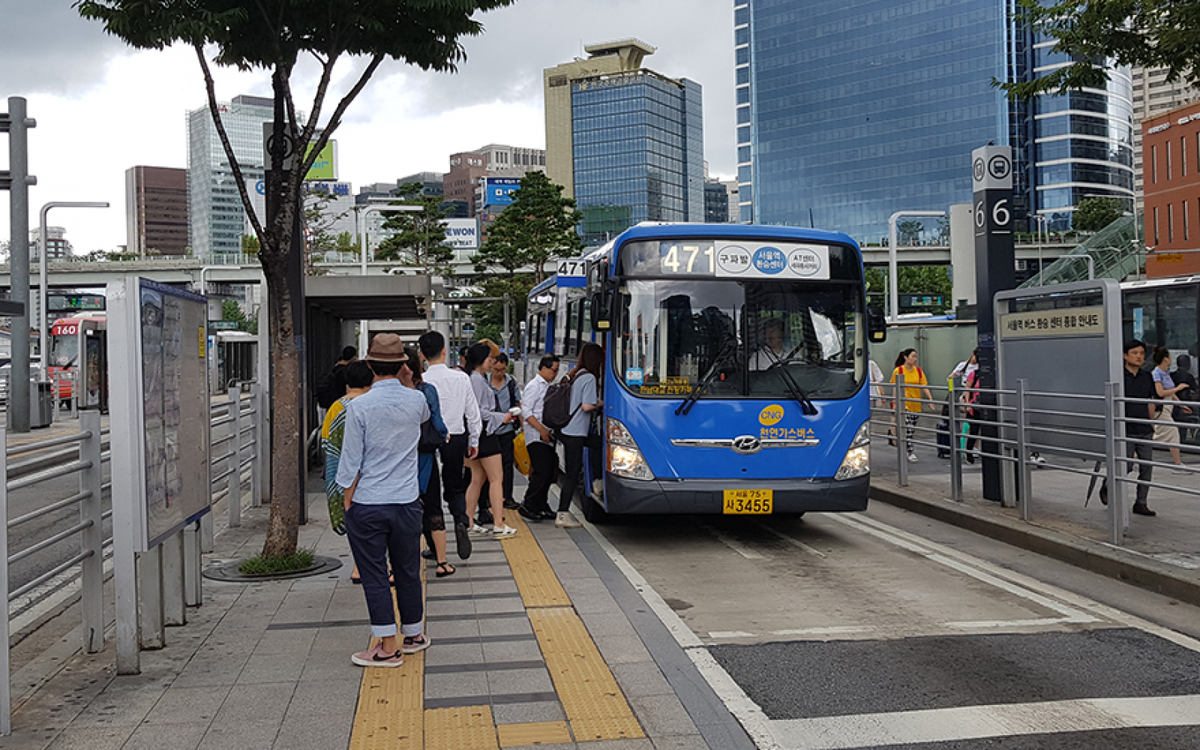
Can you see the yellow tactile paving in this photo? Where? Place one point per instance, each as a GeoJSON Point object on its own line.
{"type": "Point", "coordinates": [465, 728]}
{"type": "Point", "coordinates": [539, 733]}
{"type": "Point", "coordinates": [586, 687]}
{"type": "Point", "coordinates": [535, 578]}
{"type": "Point", "coordinates": [390, 712]}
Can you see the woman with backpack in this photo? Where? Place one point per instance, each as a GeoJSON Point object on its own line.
{"type": "Point", "coordinates": [585, 405]}
{"type": "Point", "coordinates": [487, 463]}
{"type": "Point", "coordinates": [906, 367]}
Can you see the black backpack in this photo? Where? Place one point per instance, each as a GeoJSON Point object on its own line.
{"type": "Point", "coordinates": [327, 386]}
{"type": "Point", "coordinates": [556, 409]}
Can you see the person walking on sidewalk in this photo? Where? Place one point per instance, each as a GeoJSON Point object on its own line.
{"type": "Point", "coordinates": [906, 368]}
{"type": "Point", "coordinates": [1138, 434]}
{"type": "Point", "coordinates": [433, 522]}
{"type": "Point", "coordinates": [487, 463]}
{"type": "Point", "coordinates": [378, 473]}
{"type": "Point", "coordinates": [460, 412]}
{"type": "Point", "coordinates": [540, 443]}
{"type": "Point", "coordinates": [1165, 388]}
{"type": "Point", "coordinates": [585, 404]}
{"type": "Point", "coordinates": [508, 398]}
{"type": "Point", "coordinates": [358, 377]}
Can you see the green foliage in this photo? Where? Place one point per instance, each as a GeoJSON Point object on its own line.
{"type": "Point", "coordinates": [489, 316]}
{"type": "Point", "coordinates": [345, 243]}
{"type": "Point", "coordinates": [908, 232]}
{"type": "Point", "coordinates": [1094, 214]}
{"type": "Point", "coordinates": [319, 218]}
{"type": "Point", "coordinates": [911, 280]}
{"type": "Point", "coordinates": [232, 311]}
{"type": "Point", "coordinates": [266, 565]}
{"type": "Point", "coordinates": [539, 225]}
{"type": "Point", "coordinates": [419, 237]}
{"type": "Point", "coordinates": [250, 244]}
{"type": "Point", "coordinates": [1151, 33]}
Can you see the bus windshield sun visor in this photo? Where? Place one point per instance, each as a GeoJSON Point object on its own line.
{"type": "Point", "coordinates": [731, 346]}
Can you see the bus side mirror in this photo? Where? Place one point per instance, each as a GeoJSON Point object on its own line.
{"type": "Point", "coordinates": [876, 325]}
{"type": "Point", "coordinates": [601, 313]}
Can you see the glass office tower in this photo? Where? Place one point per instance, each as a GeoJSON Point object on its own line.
{"type": "Point", "coordinates": [849, 112]}
{"type": "Point", "coordinates": [638, 151]}
{"type": "Point", "coordinates": [216, 219]}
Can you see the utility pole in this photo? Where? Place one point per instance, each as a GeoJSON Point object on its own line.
{"type": "Point", "coordinates": [17, 181]}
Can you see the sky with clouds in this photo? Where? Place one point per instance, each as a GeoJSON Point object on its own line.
{"type": "Point", "coordinates": [102, 107]}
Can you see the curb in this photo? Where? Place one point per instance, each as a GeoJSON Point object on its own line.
{"type": "Point", "coordinates": [1103, 559]}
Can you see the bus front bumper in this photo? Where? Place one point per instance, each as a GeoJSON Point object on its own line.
{"type": "Point", "coordinates": [708, 495]}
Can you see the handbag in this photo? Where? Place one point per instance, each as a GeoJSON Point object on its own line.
{"type": "Point", "coordinates": [431, 439]}
{"type": "Point", "coordinates": [521, 454]}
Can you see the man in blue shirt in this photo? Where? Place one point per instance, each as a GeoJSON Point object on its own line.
{"type": "Point", "coordinates": [378, 472]}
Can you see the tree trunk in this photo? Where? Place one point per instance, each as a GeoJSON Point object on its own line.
{"type": "Point", "coordinates": [286, 490]}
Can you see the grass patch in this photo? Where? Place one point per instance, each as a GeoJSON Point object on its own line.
{"type": "Point", "coordinates": [265, 566]}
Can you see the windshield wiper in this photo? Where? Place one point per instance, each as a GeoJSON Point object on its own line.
{"type": "Point", "coordinates": [730, 347]}
{"type": "Point", "coordinates": [780, 366]}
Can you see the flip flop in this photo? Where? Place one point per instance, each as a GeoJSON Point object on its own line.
{"type": "Point", "coordinates": [445, 569]}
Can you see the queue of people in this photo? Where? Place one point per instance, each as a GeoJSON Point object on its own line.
{"type": "Point", "coordinates": [403, 439]}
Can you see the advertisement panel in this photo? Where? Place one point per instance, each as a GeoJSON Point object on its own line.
{"type": "Point", "coordinates": [462, 234]}
{"type": "Point", "coordinates": [497, 191]}
{"type": "Point", "coordinates": [325, 165]}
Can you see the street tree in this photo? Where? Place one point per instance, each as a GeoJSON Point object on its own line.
{"type": "Point", "coordinates": [418, 237]}
{"type": "Point", "coordinates": [1150, 33]}
{"type": "Point", "coordinates": [274, 36]}
{"type": "Point", "coordinates": [1094, 214]}
{"type": "Point", "coordinates": [537, 226]}
{"type": "Point", "coordinates": [908, 232]}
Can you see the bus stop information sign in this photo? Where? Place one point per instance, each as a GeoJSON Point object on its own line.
{"type": "Point", "coordinates": [159, 394]}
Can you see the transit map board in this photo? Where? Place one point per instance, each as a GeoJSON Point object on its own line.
{"type": "Point", "coordinates": [159, 394]}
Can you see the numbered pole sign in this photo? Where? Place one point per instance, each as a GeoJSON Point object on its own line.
{"type": "Point", "coordinates": [571, 272]}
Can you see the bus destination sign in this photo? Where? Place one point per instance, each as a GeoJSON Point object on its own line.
{"type": "Point", "coordinates": [74, 302]}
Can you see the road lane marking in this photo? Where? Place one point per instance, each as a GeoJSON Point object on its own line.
{"type": "Point", "coordinates": [980, 722]}
{"type": "Point", "coordinates": [732, 543]}
{"type": "Point", "coordinates": [792, 541]}
{"type": "Point", "coordinates": [801, 632]}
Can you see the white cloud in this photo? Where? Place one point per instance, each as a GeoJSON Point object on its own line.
{"type": "Point", "coordinates": [102, 108]}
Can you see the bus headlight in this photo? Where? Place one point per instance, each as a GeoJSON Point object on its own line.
{"type": "Point", "coordinates": [624, 457]}
{"type": "Point", "coordinates": [857, 462]}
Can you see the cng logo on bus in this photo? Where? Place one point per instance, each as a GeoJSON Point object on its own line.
{"type": "Point", "coordinates": [771, 415]}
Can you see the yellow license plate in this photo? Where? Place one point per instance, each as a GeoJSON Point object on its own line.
{"type": "Point", "coordinates": [748, 501]}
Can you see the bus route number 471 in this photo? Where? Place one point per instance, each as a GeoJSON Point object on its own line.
{"type": "Point", "coordinates": [745, 502]}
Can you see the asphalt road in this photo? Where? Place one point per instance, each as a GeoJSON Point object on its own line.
{"type": "Point", "coordinates": [883, 630]}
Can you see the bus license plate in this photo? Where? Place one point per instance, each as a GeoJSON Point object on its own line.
{"type": "Point", "coordinates": [748, 502]}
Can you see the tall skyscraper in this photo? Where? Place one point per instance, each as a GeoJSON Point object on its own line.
{"type": "Point", "coordinates": [847, 113]}
{"type": "Point", "coordinates": [156, 210]}
{"type": "Point", "coordinates": [216, 219]}
{"type": "Point", "coordinates": [626, 142]}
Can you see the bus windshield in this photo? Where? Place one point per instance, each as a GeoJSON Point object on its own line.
{"type": "Point", "coordinates": [64, 350]}
{"type": "Point", "coordinates": [742, 337]}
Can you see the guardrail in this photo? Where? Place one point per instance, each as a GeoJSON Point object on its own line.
{"type": "Point", "coordinates": [236, 456]}
{"type": "Point", "coordinates": [88, 532]}
{"type": "Point", "coordinates": [1023, 432]}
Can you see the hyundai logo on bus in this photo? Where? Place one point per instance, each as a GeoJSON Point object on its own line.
{"type": "Point", "coordinates": [746, 445]}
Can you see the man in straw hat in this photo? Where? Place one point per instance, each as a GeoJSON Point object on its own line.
{"type": "Point", "coordinates": [378, 471]}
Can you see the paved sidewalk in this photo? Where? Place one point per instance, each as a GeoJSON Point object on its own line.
{"type": "Point", "coordinates": [1160, 553]}
{"type": "Point", "coordinates": [536, 639]}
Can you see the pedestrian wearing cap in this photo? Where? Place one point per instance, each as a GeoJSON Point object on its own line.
{"type": "Point", "coordinates": [378, 472]}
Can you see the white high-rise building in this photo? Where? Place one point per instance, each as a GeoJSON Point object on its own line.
{"type": "Point", "coordinates": [216, 219]}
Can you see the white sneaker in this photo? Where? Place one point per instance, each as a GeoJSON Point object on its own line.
{"type": "Point", "coordinates": [1179, 469]}
{"type": "Point", "coordinates": [503, 532]}
{"type": "Point", "coordinates": [912, 458]}
{"type": "Point", "coordinates": [597, 487]}
{"type": "Point", "coordinates": [477, 530]}
{"type": "Point", "coordinates": [1036, 459]}
{"type": "Point", "coordinates": [566, 521]}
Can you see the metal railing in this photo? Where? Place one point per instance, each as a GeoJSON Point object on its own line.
{"type": "Point", "coordinates": [1026, 427]}
{"type": "Point", "coordinates": [88, 533]}
{"type": "Point", "coordinates": [239, 452]}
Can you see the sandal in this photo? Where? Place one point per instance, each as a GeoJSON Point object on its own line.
{"type": "Point", "coordinates": [445, 569]}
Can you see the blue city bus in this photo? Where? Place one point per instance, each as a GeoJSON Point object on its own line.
{"type": "Point", "coordinates": [736, 367]}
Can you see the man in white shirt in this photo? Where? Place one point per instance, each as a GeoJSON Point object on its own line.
{"type": "Point", "coordinates": [460, 412]}
{"type": "Point", "coordinates": [772, 349]}
{"type": "Point", "coordinates": [542, 458]}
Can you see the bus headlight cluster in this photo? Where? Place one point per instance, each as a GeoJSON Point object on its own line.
{"type": "Point", "coordinates": [624, 457]}
{"type": "Point", "coordinates": [857, 462]}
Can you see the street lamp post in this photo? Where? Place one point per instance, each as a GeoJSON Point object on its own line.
{"type": "Point", "coordinates": [43, 262]}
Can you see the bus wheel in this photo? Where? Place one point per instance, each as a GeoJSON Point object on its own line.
{"type": "Point", "coordinates": [593, 511]}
